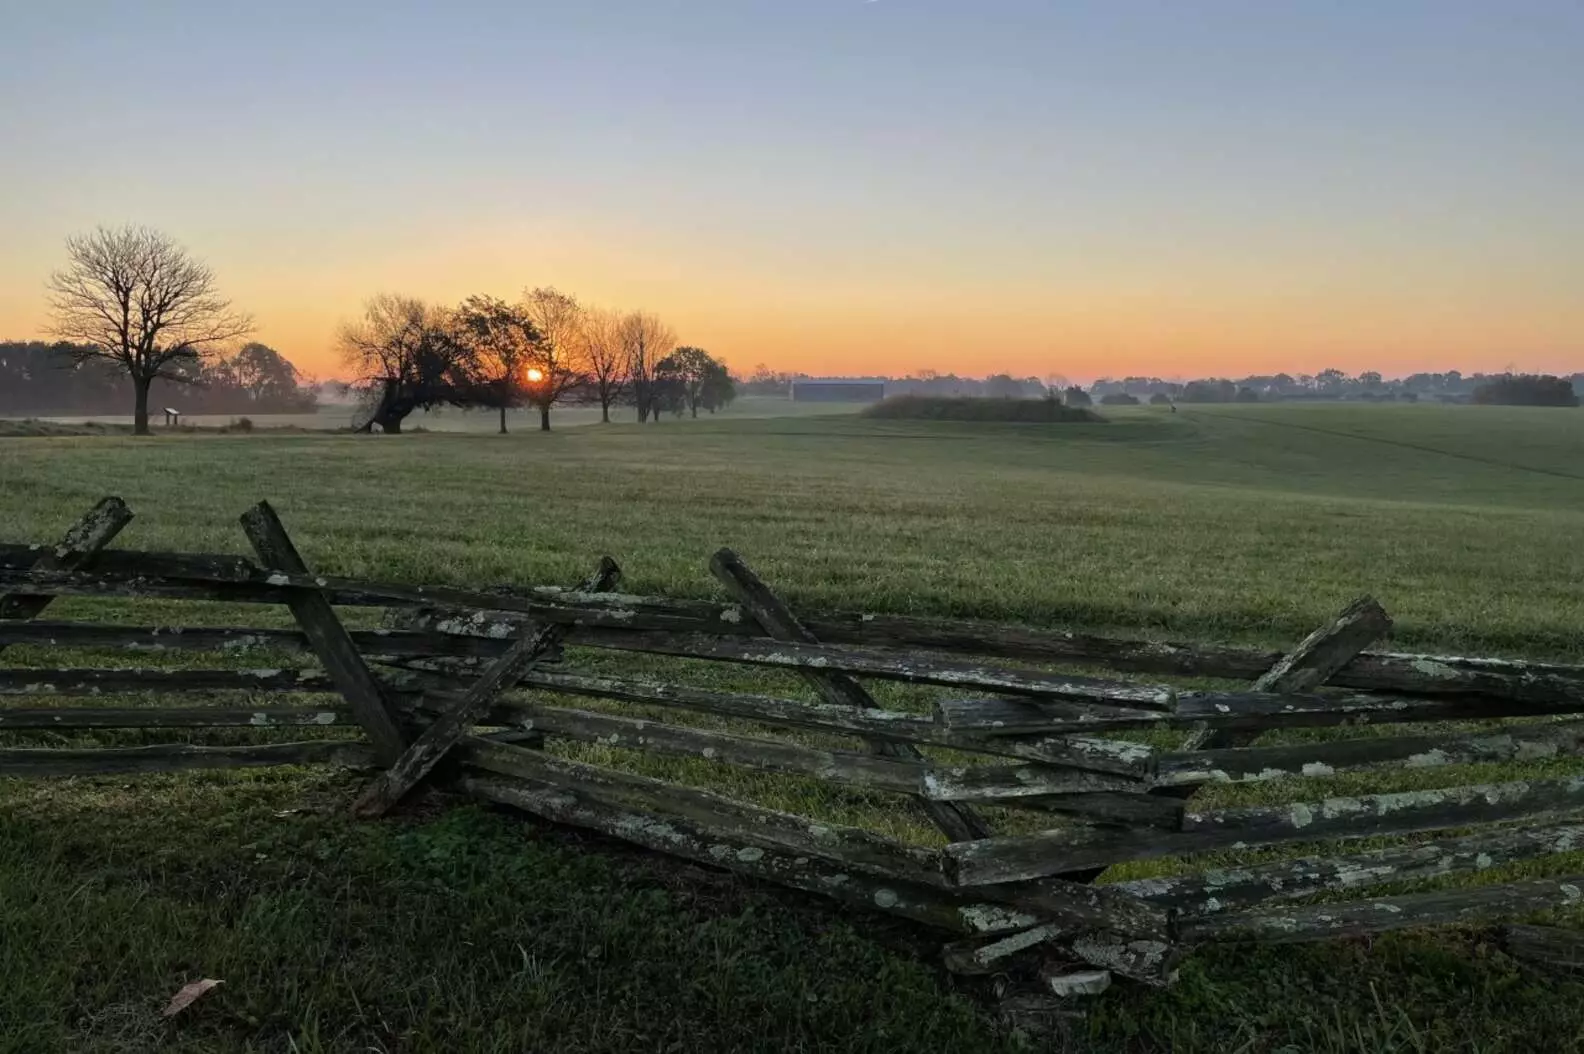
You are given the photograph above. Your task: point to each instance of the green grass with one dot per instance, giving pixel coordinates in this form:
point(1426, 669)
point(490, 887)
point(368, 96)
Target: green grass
point(470, 930)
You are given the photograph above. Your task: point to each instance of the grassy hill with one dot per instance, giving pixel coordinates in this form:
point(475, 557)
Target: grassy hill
point(466, 930)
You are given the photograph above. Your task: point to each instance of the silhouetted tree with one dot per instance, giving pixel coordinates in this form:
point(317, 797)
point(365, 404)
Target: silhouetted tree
point(1526, 390)
point(607, 359)
point(559, 355)
point(645, 341)
point(690, 369)
point(133, 297)
point(1076, 396)
point(502, 342)
point(405, 356)
point(720, 388)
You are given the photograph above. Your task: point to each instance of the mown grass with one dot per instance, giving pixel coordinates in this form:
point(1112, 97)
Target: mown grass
point(468, 930)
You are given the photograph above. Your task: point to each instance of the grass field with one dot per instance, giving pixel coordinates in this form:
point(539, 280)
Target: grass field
point(466, 930)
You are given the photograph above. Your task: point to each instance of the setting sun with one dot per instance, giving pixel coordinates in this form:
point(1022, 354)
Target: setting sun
point(535, 376)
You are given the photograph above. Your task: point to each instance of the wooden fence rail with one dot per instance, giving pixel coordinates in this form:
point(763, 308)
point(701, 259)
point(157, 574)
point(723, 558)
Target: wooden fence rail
point(1038, 778)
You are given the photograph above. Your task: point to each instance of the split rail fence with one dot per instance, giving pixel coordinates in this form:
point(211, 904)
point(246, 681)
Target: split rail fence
point(1037, 780)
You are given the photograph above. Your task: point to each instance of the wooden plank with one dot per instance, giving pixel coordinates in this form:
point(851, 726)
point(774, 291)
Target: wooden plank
point(376, 645)
point(1552, 947)
point(1529, 742)
point(1230, 888)
point(171, 717)
point(837, 766)
point(1064, 693)
point(1252, 710)
point(76, 549)
point(724, 848)
point(976, 956)
point(329, 637)
point(849, 846)
point(1079, 752)
point(1066, 850)
point(32, 763)
point(957, 822)
point(1067, 981)
point(1308, 666)
point(390, 786)
point(1382, 914)
point(1122, 809)
point(76, 681)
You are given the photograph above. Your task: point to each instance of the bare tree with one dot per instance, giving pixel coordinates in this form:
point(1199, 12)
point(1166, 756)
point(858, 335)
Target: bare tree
point(645, 342)
point(607, 359)
point(405, 356)
point(505, 345)
point(133, 297)
point(559, 356)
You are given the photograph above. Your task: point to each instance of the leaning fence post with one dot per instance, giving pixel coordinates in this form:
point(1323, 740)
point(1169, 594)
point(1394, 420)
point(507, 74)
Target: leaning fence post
point(326, 635)
point(959, 822)
point(77, 547)
point(1308, 666)
point(437, 740)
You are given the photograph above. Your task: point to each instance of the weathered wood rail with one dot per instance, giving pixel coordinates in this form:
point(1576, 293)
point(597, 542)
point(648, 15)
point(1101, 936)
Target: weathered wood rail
point(1037, 778)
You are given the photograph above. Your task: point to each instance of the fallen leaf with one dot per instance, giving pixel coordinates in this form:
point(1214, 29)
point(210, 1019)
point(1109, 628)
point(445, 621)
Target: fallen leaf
point(188, 995)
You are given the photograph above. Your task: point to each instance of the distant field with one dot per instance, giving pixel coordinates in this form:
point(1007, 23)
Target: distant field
point(1238, 522)
point(336, 416)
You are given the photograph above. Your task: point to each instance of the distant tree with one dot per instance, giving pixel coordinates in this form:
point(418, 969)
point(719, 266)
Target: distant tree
point(645, 341)
point(405, 356)
point(503, 345)
point(1331, 380)
point(1119, 399)
point(669, 390)
point(765, 381)
point(607, 358)
point(560, 355)
point(1246, 395)
point(132, 297)
point(1526, 390)
point(691, 371)
point(1002, 386)
point(719, 389)
point(1160, 399)
point(1209, 391)
point(1076, 396)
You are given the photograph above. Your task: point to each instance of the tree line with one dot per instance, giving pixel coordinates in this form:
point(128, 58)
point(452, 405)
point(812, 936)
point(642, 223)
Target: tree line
point(1328, 384)
point(1452, 386)
point(135, 315)
point(42, 379)
point(543, 350)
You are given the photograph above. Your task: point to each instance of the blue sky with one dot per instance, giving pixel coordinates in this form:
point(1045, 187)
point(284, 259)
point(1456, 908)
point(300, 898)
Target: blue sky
point(1076, 187)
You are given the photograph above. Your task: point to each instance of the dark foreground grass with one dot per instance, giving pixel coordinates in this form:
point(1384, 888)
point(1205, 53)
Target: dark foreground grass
point(462, 929)
point(459, 929)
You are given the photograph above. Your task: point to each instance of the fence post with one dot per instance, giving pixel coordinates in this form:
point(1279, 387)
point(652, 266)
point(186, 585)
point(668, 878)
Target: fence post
point(327, 636)
point(77, 548)
point(1308, 666)
point(959, 822)
point(426, 751)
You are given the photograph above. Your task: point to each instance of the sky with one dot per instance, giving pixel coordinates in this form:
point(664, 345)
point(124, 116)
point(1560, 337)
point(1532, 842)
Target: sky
point(1082, 188)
